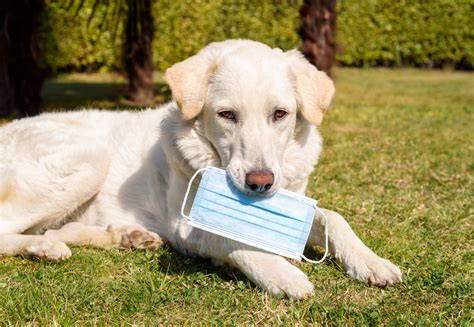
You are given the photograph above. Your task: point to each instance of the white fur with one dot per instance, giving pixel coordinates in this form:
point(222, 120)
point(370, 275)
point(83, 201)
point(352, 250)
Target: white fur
point(83, 171)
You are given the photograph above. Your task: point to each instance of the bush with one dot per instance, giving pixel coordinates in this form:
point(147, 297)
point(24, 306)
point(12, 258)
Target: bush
point(71, 42)
point(371, 32)
point(406, 33)
point(182, 28)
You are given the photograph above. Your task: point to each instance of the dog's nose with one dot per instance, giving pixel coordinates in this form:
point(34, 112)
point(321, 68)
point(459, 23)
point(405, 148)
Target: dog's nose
point(259, 180)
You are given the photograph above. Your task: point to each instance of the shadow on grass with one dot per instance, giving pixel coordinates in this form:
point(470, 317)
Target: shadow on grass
point(67, 94)
point(317, 254)
point(171, 262)
point(174, 263)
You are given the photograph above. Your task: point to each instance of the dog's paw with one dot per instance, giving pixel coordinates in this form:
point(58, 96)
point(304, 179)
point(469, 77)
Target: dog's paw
point(374, 269)
point(49, 249)
point(138, 238)
point(290, 281)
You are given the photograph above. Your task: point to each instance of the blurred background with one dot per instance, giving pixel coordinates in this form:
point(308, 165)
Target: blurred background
point(79, 53)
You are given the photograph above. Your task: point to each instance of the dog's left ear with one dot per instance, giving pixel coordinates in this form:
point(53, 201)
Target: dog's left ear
point(188, 81)
point(313, 87)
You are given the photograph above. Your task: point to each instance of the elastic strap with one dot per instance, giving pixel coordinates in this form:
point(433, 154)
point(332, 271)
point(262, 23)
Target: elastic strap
point(326, 240)
point(189, 189)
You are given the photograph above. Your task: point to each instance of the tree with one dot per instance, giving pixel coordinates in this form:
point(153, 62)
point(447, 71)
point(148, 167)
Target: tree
point(137, 51)
point(137, 46)
point(21, 76)
point(318, 32)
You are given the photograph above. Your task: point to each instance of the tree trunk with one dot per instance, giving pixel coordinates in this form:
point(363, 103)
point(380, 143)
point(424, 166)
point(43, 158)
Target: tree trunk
point(137, 51)
point(21, 76)
point(318, 32)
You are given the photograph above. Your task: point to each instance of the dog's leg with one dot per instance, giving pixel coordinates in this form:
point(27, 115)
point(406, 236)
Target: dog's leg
point(271, 272)
point(37, 246)
point(37, 192)
point(127, 237)
point(360, 262)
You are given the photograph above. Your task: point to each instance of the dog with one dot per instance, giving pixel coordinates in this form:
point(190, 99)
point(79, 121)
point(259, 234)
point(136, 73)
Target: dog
point(117, 179)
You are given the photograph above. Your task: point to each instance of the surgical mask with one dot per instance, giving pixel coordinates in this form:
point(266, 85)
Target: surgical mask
point(279, 224)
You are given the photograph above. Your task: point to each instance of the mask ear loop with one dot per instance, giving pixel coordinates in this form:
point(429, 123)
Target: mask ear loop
point(188, 190)
point(326, 240)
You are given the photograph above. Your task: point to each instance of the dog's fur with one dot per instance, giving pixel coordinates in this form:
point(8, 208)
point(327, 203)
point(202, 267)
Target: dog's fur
point(110, 179)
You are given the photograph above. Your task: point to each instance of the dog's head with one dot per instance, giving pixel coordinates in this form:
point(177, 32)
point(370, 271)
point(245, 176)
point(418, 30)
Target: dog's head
point(250, 99)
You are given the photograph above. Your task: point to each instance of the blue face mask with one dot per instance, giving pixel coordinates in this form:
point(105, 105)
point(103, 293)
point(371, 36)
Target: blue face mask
point(279, 224)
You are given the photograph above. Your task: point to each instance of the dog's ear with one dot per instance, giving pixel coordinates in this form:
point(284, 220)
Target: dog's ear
point(188, 81)
point(313, 87)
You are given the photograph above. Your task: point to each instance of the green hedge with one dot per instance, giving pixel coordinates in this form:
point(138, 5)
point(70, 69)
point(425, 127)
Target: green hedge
point(70, 42)
point(371, 32)
point(406, 33)
point(184, 27)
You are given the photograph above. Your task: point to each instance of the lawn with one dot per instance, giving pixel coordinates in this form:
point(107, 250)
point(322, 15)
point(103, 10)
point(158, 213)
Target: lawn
point(397, 163)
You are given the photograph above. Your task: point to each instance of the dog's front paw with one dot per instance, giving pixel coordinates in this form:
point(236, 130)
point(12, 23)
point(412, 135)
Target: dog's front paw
point(290, 281)
point(375, 270)
point(49, 249)
point(136, 238)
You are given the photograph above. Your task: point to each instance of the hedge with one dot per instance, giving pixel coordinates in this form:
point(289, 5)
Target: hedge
point(70, 42)
point(406, 33)
point(371, 32)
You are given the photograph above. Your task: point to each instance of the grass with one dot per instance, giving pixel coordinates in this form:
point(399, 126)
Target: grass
point(398, 164)
point(94, 91)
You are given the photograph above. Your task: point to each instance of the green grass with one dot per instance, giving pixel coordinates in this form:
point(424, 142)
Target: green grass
point(398, 164)
point(105, 91)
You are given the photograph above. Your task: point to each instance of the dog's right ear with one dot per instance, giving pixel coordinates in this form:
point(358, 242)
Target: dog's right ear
point(189, 80)
point(313, 87)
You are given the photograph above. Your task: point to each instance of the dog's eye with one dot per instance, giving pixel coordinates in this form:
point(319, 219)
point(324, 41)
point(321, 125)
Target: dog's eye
point(227, 114)
point(279, 114)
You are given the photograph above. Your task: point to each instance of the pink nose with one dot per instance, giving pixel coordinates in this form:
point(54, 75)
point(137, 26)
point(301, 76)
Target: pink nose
point(259, 180)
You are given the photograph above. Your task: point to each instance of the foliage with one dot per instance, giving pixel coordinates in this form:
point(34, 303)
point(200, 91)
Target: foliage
point(371, 32)
point(401, 33)
point(184, 27)
point(74, 39)
point(72, 42)
point(397, 163)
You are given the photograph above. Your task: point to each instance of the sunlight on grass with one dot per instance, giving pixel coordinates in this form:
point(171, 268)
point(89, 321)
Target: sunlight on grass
point(397, 163)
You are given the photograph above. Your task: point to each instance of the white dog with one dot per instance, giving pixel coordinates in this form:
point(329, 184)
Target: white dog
point(109, 179)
